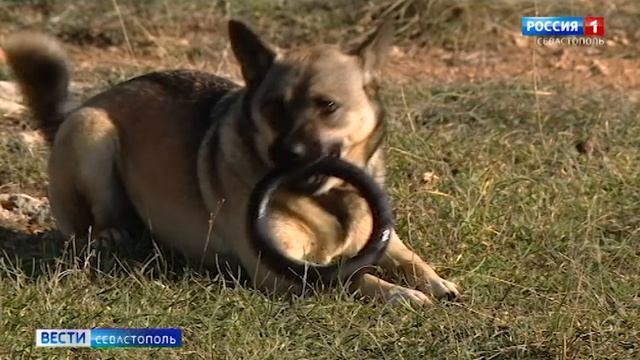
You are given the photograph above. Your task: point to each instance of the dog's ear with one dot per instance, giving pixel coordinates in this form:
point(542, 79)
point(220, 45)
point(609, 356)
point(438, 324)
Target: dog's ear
point(375, 49)
point(255, 56)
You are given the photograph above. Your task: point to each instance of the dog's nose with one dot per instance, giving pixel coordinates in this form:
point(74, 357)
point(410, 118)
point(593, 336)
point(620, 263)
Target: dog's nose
point(283, 153)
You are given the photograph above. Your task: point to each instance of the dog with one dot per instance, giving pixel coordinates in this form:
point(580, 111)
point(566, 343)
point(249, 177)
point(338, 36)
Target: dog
point(181, 151)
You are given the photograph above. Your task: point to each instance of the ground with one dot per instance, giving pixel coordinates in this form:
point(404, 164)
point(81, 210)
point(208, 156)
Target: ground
point(513, 169)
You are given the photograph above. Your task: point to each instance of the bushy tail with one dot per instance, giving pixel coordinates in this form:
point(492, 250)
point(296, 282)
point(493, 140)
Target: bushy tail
point(40, 66)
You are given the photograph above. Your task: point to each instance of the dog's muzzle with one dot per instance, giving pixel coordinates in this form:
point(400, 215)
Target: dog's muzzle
point(292, 155)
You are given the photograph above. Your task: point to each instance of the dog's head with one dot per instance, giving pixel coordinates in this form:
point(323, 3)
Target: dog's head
point(308, 103)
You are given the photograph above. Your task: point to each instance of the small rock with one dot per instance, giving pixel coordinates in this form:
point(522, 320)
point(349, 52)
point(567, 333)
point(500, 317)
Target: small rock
point(10, 91)
point(581, 68)
point(520, 41)
point(31, 139)
point(26, 207)
point(397, 52)
point(10, 99)
point(590, 147)
point(8, 216)
point(430, 179)
point(10, 108)
point(600, 68)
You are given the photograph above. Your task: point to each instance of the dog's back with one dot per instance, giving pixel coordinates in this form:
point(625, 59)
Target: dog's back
point(150, 126)
point(181, 98)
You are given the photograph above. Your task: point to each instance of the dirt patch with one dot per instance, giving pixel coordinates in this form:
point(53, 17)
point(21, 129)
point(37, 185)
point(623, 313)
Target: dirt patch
point(578, 67)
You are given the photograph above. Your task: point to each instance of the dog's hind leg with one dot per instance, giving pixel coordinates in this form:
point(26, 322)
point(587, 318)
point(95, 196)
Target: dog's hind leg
point(85, 188)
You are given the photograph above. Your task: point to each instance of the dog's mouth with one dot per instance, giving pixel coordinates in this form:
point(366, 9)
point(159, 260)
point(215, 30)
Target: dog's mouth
point(314, 183)
point(310, 185)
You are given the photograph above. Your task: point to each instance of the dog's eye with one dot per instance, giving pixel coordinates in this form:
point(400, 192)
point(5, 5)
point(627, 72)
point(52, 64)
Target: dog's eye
point(326, 106)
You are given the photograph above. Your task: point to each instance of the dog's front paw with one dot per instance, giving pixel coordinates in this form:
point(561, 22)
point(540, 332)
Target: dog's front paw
point(403, 295)
point(442, 289)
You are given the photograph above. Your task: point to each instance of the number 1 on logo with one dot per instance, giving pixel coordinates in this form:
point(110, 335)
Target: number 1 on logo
point(594, 26)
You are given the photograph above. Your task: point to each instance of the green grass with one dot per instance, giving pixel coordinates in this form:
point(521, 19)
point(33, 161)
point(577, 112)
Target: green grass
point(20, 166)
point(543, 239)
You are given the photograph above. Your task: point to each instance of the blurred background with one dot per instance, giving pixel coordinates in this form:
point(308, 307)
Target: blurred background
point(436, 40)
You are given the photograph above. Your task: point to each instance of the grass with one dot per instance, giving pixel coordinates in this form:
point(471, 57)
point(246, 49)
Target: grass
point(21, 167)
point(461, 24)
point(543, 238)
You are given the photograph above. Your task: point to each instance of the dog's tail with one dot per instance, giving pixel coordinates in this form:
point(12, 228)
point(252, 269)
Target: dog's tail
point(40, 66)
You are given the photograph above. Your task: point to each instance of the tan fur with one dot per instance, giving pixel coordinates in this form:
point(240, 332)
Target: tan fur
point(178, 149)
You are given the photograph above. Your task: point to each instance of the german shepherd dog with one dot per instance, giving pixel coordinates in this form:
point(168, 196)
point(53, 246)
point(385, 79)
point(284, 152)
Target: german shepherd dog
point(182, 150)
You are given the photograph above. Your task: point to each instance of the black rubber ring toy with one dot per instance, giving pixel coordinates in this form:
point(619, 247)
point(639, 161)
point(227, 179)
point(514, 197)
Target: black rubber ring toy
point(301, 271)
